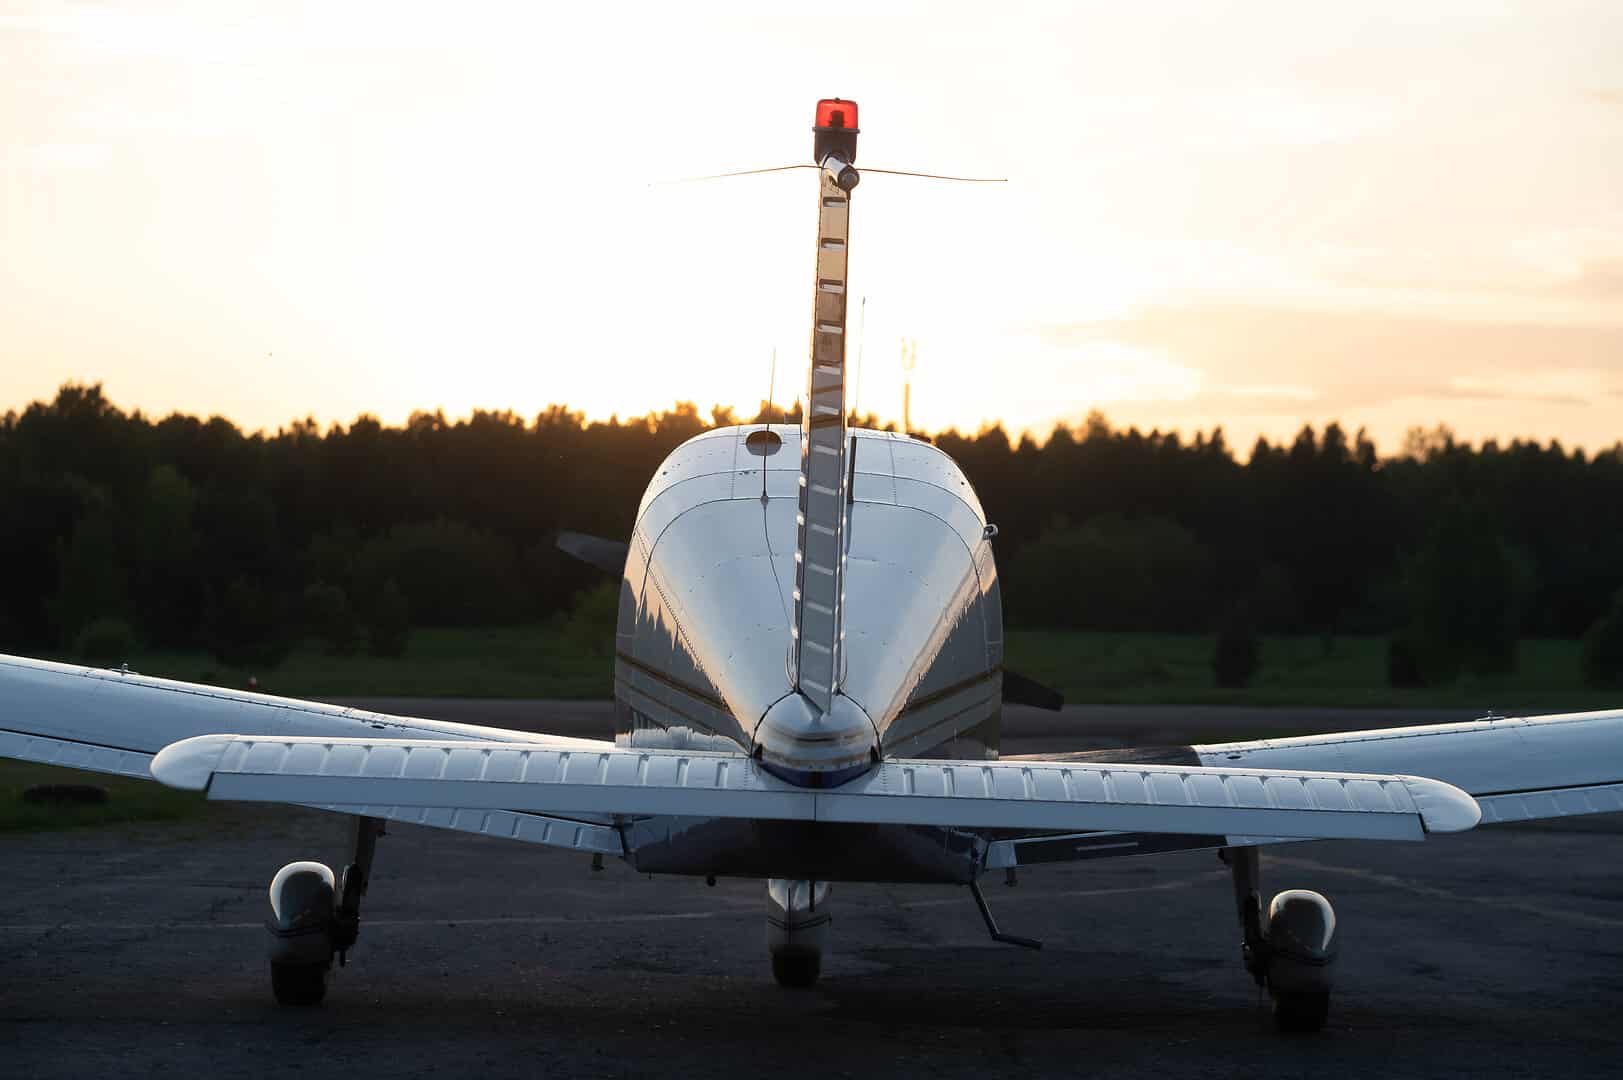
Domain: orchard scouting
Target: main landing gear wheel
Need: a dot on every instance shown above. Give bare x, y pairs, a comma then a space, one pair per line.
299, 985
315, 919
796, 970
1291, 950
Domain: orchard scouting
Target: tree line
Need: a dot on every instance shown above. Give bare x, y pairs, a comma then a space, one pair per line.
183, 532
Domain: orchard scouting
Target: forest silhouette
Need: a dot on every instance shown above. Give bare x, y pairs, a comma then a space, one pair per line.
183, 532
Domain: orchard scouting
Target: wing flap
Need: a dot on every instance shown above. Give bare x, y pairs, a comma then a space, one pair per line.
73, 754
1551, 803
645, 782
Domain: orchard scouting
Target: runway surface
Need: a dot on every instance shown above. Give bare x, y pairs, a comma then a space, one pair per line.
136, 951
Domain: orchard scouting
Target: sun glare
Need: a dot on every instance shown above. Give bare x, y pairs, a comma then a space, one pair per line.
275, 213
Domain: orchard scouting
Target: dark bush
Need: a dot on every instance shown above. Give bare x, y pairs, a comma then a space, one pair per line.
65, 795
1467, 590
388, 626
165, 584
105, 641
1402, 664
450, 573
1603, 648
1113, 573
247, 626
91, 579
329, 616
592, 619
1238, 653
13, 637
330, 558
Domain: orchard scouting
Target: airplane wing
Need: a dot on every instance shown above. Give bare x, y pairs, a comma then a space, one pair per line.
113, 721
1518, 769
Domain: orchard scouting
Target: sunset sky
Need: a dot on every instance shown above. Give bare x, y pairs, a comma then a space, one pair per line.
1254, 215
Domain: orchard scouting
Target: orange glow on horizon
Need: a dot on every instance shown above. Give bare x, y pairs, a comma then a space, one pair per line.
1255, 219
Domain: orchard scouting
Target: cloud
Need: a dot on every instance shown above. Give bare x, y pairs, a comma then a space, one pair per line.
1487, 274
68, 155
1602, 278
1553, 388
1267, 392
1281, 360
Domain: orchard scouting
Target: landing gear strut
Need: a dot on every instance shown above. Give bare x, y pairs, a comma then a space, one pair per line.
797, 922
1293, 951
347, 918
315, 916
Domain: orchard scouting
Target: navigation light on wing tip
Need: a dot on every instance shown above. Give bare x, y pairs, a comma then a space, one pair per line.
834, 146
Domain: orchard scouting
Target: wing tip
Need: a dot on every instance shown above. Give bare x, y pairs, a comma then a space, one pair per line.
189, 763
1443, 807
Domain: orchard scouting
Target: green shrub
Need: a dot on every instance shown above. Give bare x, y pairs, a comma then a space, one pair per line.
328, 614
247, 625
1468, 589
105, 641
594, 614
1238, 654
1403, 663
388, 625
92, 580
1113, 573
448, 572
1603, 648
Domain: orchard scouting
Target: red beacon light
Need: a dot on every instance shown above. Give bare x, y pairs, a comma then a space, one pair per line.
834, 140
834, 114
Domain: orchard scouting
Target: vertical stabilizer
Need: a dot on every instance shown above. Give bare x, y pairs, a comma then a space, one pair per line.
819, 545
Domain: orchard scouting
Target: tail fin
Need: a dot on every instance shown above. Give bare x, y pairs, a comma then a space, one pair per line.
820, 541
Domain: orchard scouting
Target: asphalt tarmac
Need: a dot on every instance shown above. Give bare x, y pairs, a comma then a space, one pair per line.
139, 951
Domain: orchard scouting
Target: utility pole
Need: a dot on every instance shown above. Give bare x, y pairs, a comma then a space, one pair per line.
862, 347
910, 357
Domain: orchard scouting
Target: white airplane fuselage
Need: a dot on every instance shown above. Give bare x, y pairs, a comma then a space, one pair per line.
704, 647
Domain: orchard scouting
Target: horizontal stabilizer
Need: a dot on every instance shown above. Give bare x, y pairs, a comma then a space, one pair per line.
608, 556
983, 795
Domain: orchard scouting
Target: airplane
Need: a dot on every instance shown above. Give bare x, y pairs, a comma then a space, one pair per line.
808, 687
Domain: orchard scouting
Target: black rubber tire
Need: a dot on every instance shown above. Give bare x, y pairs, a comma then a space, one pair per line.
299, 985
798, 969
1301, 1012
